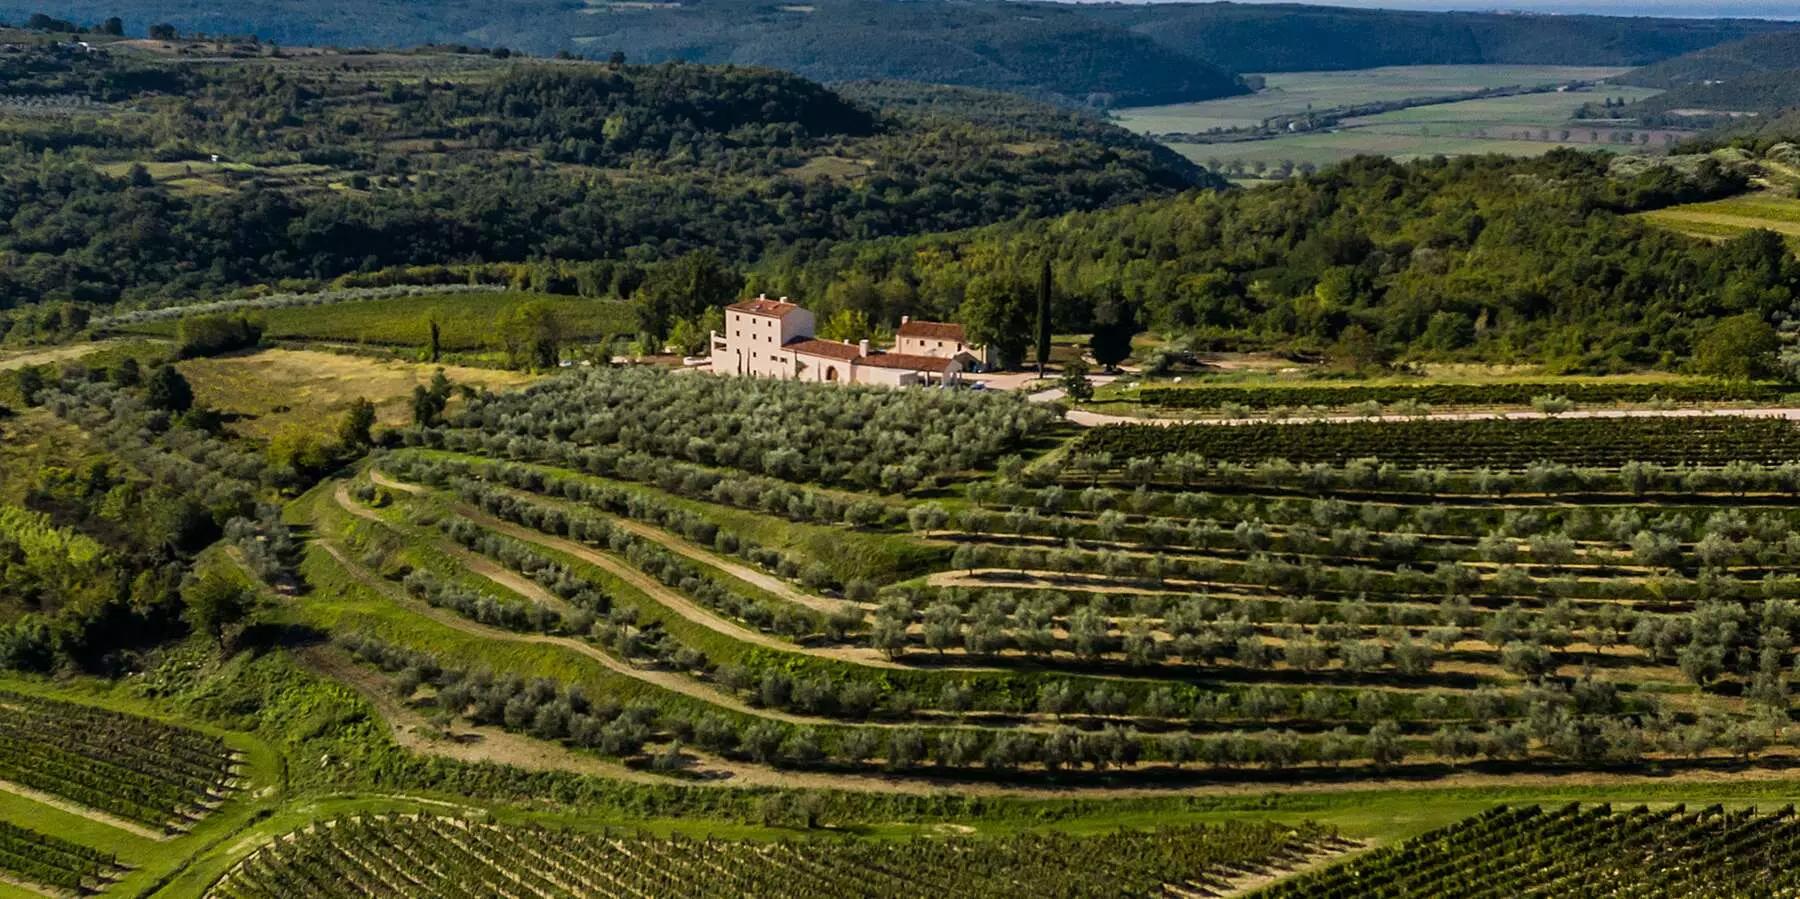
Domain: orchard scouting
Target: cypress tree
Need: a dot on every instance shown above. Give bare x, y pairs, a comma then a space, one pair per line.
1043, 317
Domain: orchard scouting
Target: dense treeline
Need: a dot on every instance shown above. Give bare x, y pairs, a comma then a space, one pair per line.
572, 162
1478, 257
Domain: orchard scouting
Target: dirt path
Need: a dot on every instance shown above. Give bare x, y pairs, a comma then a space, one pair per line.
82, 811
1097, 419
382, 480
762, 580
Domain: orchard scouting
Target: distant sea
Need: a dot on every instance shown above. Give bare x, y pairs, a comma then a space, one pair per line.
1685, 9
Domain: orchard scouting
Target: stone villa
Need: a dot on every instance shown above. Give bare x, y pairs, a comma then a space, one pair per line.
766, 338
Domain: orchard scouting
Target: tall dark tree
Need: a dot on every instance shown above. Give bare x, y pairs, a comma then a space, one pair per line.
169, 391
1043, 316
358, 424
1114, 325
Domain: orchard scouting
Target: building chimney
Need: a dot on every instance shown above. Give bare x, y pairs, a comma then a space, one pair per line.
905, 318
762, 296
784, 299
862, 346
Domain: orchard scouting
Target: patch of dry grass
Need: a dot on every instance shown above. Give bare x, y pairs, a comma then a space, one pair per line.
272, 389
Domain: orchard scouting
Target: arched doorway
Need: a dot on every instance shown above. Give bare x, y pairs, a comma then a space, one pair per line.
830, 372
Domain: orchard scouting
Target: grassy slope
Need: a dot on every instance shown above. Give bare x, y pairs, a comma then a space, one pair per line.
466, 321
273, 389
1720, 219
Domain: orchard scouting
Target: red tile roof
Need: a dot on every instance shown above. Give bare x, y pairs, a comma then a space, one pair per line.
770, 308
830, 349
907, 361
932, 331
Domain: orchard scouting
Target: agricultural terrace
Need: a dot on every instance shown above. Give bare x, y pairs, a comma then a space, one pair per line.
806, 578
457, 858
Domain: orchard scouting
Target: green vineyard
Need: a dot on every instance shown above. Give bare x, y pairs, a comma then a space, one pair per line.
1514, 393
1581, 852
52, 862
134, 768
1498, 444
456, 859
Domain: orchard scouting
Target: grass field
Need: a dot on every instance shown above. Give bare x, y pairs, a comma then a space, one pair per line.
273, 389
1773, 210
1520, 125
466, 322
1289, 93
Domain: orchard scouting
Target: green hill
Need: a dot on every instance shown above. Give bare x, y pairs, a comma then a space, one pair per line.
316, 166
1754, 56
1118, 54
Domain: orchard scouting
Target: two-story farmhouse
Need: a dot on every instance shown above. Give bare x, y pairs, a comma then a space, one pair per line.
766, 338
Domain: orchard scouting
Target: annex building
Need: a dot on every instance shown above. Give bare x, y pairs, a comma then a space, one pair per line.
766, 338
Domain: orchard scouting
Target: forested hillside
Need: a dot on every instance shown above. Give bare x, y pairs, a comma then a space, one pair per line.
333, 164
1113, 54
1273, 38
1726, 102
1495, 258
1726, 62
1047, 51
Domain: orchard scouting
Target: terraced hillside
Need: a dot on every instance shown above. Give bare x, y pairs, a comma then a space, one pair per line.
870, 583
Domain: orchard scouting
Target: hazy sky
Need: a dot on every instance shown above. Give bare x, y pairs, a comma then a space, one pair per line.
1758, 9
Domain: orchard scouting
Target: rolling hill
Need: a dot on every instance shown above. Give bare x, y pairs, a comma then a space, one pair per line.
1107, 54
